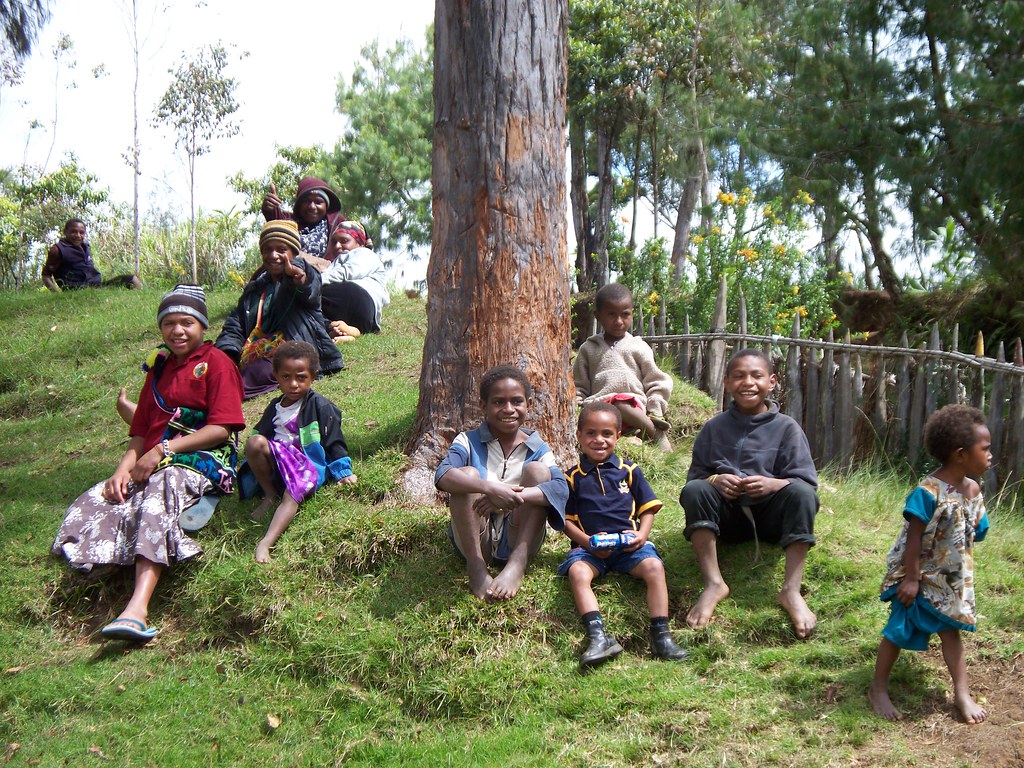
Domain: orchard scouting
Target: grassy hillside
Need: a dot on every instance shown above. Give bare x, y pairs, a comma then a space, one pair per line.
360, 643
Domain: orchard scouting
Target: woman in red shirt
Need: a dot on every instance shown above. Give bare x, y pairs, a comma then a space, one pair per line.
181, 449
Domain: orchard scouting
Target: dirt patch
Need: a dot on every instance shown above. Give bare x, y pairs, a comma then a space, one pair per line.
939, 737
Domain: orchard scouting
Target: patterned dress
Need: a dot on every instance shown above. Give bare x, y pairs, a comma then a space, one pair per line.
952, 525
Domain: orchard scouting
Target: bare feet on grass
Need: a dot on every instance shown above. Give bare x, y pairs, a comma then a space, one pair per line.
506, 584
263, 552
804, 620
342, 331
882, 704
480, 582
971, 712
702, 611
264, 507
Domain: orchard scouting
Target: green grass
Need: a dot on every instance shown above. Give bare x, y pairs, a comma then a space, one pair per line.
361, 637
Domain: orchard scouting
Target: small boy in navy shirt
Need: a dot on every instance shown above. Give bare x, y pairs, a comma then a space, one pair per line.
610, 495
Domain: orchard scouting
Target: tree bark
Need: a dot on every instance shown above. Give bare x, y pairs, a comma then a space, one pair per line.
498, 281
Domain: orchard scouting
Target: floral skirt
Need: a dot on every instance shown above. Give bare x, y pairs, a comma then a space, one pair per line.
146, 524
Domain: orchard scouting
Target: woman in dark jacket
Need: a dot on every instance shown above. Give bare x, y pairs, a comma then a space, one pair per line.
280, 303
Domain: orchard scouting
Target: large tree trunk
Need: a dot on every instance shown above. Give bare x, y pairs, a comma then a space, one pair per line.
498, 280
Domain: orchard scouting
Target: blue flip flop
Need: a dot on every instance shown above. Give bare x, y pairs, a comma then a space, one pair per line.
130, 630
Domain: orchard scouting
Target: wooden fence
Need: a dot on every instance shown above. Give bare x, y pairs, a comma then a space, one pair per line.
857, 402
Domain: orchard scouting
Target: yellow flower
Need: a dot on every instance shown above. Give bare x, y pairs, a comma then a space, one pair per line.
802, 310
697, 239
716, 230
726, 198
796, 289
803, 197
654, 298
749, 254
779, 250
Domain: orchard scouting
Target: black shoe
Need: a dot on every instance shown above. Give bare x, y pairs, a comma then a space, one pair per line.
601, 648
664, 647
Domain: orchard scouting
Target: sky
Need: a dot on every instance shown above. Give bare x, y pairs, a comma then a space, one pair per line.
286, 86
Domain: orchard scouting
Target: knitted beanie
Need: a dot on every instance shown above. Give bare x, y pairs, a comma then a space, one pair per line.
185, 300
284, 230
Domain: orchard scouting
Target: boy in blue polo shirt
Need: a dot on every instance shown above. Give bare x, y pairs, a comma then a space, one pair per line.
610, 495
503, 484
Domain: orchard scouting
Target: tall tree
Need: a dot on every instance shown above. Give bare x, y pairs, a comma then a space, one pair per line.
621, 55
381, 164
198, 105
498, 284
130, 12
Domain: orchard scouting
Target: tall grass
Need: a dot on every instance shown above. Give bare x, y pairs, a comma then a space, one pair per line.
360, 642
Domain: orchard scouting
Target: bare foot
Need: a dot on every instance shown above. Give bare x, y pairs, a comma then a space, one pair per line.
506, 583
804, 620
342, 328
702, 611
972, 713
261, 510
125, 407
262, 552
343, 339
880, 702
480, 582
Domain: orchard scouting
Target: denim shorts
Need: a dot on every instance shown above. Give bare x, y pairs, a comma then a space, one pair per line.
617, 562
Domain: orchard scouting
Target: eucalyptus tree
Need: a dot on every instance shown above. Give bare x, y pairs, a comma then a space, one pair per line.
198, 106
622, 56
381, 164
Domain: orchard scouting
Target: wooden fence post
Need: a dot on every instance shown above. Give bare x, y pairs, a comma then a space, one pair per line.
995, 426
917, 406
794, 398
826, 402
811, 410
684, 362
978, 385
716, 352
1015, 432
880, 409
844, 411
931, 401
897, 438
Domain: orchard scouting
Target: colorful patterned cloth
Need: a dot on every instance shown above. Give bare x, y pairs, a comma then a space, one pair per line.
952, 525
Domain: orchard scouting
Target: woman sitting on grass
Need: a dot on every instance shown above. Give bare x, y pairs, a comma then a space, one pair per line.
180, 450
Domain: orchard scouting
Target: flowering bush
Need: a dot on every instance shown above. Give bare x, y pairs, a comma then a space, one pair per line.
757, 247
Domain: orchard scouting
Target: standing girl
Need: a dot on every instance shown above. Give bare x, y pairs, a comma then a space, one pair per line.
930, 569
180, 450
297, 444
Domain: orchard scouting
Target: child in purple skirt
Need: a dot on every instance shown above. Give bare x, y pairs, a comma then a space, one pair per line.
297, 444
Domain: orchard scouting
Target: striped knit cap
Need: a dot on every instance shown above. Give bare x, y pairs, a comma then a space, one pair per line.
185, 300
355, 229
285, 230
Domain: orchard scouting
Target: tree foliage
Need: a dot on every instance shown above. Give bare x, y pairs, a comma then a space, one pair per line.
198, 106
21, 21
381, 164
